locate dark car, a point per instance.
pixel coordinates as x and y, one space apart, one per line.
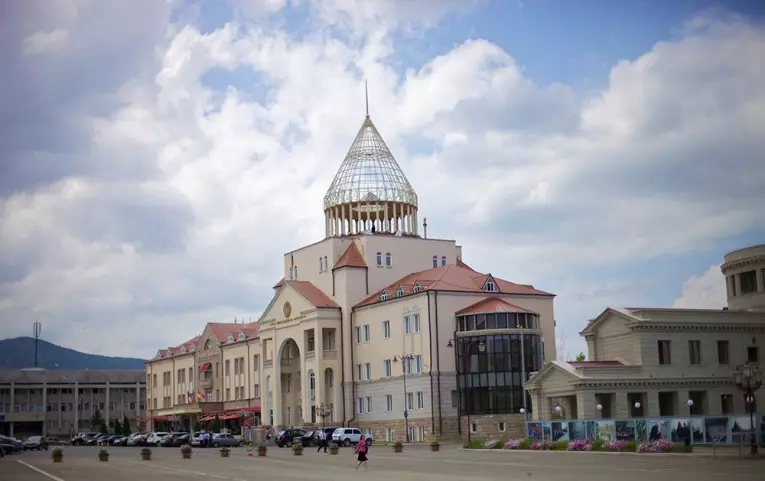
10 445
328 431
219 440
35 443
175 440
285 438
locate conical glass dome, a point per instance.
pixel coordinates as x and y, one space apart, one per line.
370 191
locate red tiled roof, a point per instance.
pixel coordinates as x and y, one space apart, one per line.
453 278
490 304
279 284
222 330
462 264
313 294
595 363
351 258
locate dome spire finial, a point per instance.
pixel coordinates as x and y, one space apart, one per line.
366 96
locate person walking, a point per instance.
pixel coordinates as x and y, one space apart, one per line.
322 441
361 450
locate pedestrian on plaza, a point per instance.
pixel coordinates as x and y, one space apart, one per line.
361 450
322 441
207 439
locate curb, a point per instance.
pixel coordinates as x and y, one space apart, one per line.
616 453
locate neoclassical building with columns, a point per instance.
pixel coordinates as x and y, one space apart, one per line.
375 326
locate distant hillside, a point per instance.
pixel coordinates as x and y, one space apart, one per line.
19 353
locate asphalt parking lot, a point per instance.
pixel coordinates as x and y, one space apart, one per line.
415 463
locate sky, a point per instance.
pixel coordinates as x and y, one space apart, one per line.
159 157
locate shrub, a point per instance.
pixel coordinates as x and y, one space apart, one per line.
597 445
559 446
660 446
398 444
490 444
513 444
579 445
525 444
682 448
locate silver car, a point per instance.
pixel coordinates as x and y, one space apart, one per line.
219 440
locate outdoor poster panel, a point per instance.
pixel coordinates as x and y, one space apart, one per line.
625 430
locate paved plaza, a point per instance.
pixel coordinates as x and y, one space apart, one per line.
415 463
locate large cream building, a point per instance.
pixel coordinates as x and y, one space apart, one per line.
650 362
374 321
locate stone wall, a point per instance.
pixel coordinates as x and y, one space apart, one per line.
487 427
398 426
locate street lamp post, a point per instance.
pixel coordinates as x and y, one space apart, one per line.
599 407
405 358
465 345
324 411
748 379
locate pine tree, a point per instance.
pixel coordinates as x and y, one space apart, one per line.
126 426
103 429
96 420
117 426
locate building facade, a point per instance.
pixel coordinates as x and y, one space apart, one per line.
655 362
378 326
60 403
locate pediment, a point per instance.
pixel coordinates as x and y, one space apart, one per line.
287 303
554 373
610 322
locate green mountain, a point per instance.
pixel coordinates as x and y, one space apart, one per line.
19 352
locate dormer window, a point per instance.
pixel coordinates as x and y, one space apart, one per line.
241 337
192 348
379 259
388 259
230 338
208 344
400 292
384 296
159 354
490 285
183 350
417 288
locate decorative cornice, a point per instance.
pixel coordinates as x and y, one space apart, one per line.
642 326
748 261
649 383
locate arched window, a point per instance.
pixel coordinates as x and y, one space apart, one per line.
325 263
400 292
312 382
208 344
435 261
321 265
417 288
384 296
388 259
443 260
379 258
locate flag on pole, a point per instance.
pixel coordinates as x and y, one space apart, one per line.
292 261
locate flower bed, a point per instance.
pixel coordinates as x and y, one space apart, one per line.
660 446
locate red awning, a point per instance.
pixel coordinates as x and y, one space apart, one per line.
229 416
159 418
207 418
205 366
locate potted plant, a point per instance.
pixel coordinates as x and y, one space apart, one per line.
398 446
262 449
297 449
224 452
146 454
57 454
435 446
186 451
103 455
334 448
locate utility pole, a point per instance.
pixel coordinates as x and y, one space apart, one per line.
37 330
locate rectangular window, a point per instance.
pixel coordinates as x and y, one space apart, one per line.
359 372
256 391
358 335
388 434
368 371
694 352
407 325
255 362
420 400
228 365
409 400
726 402
360 405
228 394
748 282
752 354
664 353
369 404
386 368
416 323
386 329
367 334
417 364
501 427
388 403
722 352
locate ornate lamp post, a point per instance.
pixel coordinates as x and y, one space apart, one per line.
405 358
599 407
466 343
748 379
323 412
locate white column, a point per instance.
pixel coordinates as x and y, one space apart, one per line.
107 406
76 407
318 398
277 391
305 405
45 407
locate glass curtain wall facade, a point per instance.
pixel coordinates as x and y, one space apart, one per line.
490 380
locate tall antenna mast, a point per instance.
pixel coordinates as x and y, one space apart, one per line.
37 330
366 96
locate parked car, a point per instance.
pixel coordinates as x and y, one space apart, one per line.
285 438
82 439
175 440
329 432
350 436
155 439
219 440
137 439
195 440
53 441
10 445
35 443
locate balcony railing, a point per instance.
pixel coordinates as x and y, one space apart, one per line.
310 355
330 354
268 363
286 362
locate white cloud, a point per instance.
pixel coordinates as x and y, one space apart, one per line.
43 42
136 195
706 291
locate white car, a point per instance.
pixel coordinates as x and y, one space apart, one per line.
155 439
349 436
